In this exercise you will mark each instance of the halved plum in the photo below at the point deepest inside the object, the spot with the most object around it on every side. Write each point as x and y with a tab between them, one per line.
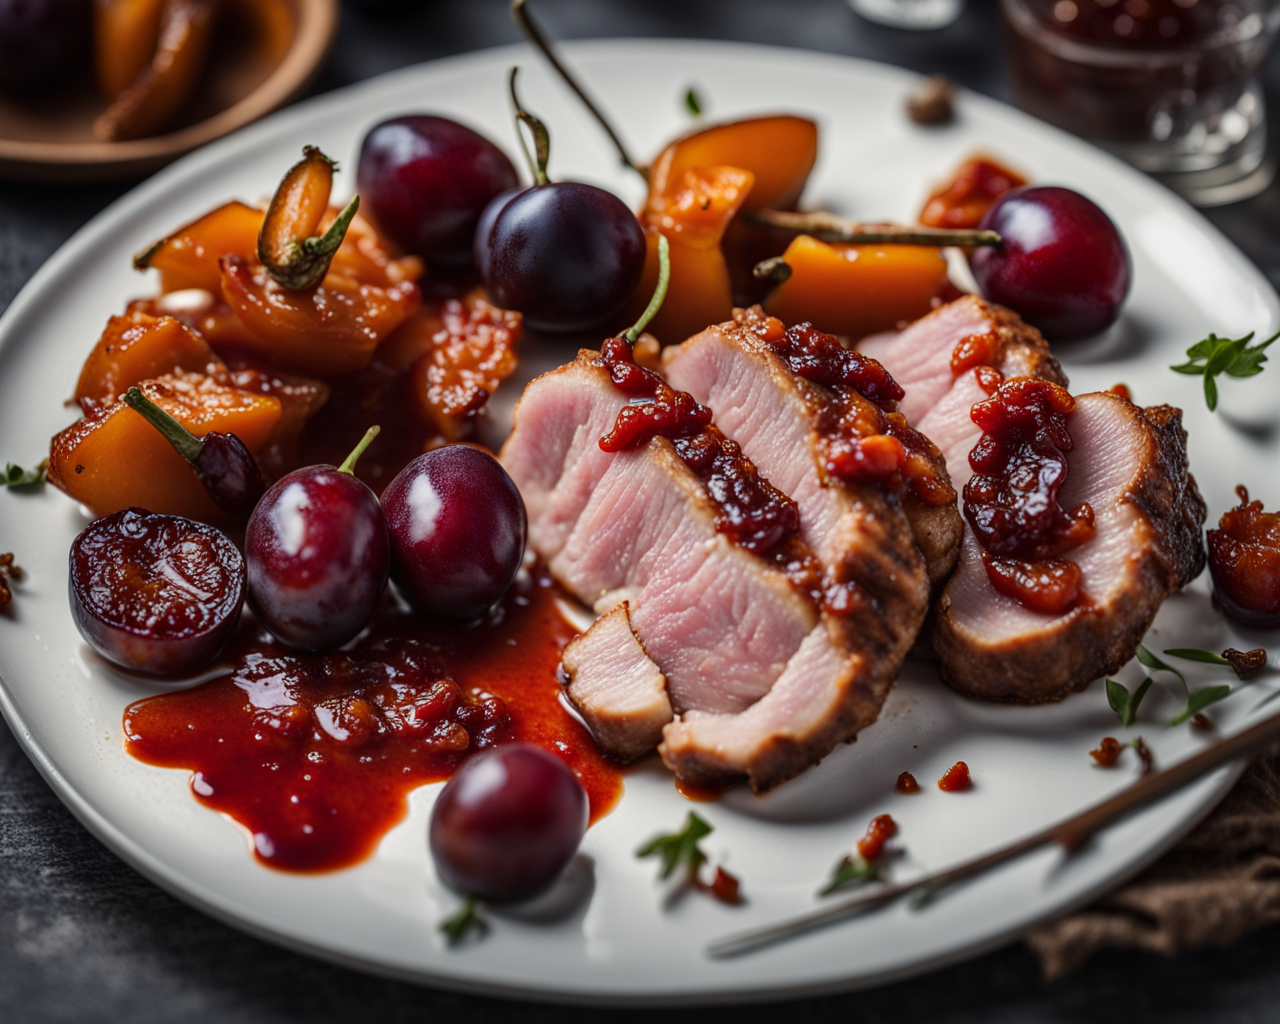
154	593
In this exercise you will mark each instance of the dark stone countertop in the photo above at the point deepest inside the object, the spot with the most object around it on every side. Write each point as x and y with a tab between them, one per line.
84	938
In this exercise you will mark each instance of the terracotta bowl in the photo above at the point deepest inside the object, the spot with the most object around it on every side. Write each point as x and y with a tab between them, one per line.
251	72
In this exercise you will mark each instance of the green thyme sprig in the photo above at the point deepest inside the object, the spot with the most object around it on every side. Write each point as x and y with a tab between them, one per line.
1214	356
17	476
457	926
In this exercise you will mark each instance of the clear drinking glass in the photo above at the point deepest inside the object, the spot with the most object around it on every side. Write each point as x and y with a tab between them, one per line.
1168	85
916	14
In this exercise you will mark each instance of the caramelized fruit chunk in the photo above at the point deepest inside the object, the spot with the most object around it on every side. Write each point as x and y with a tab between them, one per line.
189	257
137	347
221	461
155	593
856	290
778	152
693	217
327	332
163	88
125	33
1244	561
117	460
470	350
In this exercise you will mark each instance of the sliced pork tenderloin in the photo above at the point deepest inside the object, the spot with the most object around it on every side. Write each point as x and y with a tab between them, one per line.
859	530
780	419
928	356
720	622
1130	465
769	660
616	686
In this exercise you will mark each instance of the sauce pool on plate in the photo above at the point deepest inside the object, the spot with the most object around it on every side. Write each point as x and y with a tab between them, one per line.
315	755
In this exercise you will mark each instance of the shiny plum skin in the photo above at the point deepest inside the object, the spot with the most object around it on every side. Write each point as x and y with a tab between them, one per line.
457	526
128	604
42	42
1062	265
318	557
480	248
423	182
565	254
508	823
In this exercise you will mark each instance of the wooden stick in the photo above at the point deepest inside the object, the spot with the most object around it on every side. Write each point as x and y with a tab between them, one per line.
831	228
1071	833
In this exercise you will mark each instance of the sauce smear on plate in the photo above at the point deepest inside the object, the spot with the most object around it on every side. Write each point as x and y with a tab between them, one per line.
315	755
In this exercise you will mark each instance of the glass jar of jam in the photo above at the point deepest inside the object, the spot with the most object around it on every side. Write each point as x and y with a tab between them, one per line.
1168	85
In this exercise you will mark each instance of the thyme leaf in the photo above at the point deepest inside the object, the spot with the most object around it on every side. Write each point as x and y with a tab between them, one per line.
853	870
16	476
679	848
1213	356
465	920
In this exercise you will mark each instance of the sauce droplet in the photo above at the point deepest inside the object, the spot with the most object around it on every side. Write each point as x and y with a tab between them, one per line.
956	779
907	783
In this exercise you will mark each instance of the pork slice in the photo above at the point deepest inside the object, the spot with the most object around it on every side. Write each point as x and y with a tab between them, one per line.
836	683
719	621
1130	465
919	356
616	686
777	417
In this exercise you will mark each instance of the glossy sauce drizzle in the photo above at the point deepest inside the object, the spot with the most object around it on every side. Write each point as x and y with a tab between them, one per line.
315	755
749	510
1011	502
862	433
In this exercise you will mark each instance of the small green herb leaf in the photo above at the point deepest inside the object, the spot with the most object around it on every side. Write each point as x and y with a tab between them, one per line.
1124	703
1198	701
1148	659
693	102
1213	356
1195	654
679	847
851	871
16	476
465	920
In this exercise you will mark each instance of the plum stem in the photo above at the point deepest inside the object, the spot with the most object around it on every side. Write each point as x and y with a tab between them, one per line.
349	463
773	272
541	137
184	442
659	293
830	228
536	36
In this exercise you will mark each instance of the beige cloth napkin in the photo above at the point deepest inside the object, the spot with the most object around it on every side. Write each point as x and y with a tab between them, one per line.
1220	882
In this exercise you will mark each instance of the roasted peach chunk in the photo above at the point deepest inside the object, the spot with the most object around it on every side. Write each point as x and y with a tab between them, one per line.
138	347
856	290
117	460
326	332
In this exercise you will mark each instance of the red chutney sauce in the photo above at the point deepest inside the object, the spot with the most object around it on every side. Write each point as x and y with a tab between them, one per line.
1011	502
963	201
880	831
749	509
315	755
956	779
1244	561
863	434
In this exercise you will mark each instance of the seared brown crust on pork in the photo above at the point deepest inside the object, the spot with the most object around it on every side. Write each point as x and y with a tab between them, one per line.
1023	351
1159	513
837	683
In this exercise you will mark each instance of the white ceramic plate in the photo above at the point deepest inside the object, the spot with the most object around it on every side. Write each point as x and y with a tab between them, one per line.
627	943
